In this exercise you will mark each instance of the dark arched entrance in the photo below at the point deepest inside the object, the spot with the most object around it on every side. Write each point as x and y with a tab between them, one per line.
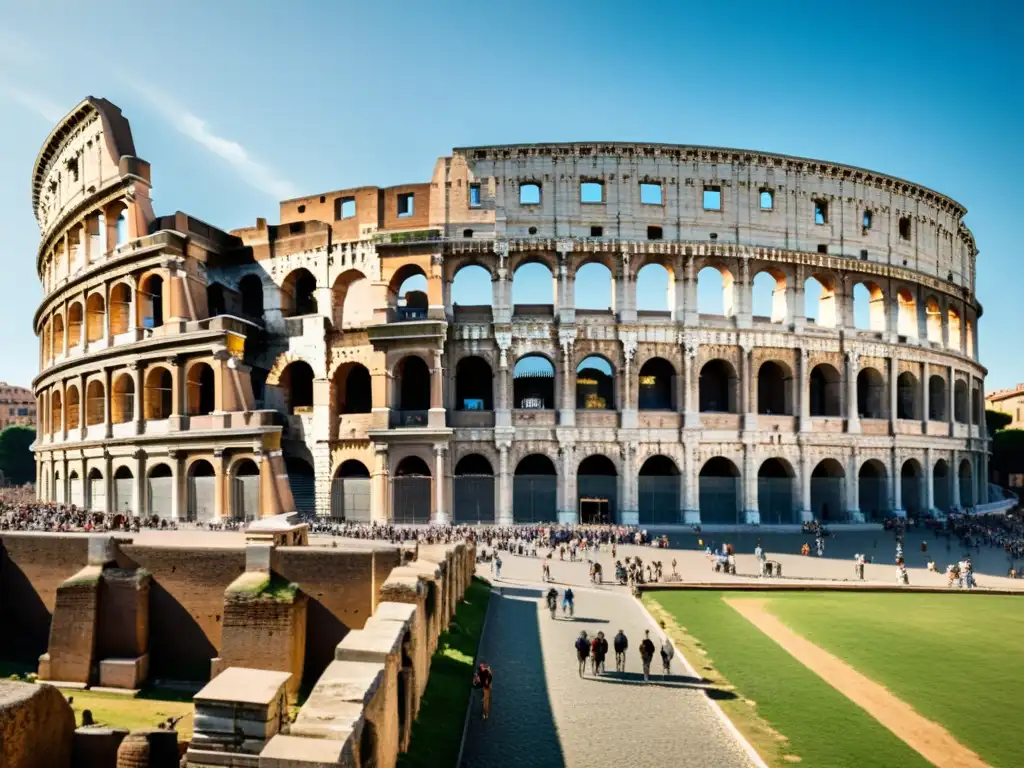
245	490
350	492
413	392
473	490
872	490
535	490
718	387
828	492
719	492
597	491
202	492
774	390
940	485
473	385
656	386
966	478
826	395
910	487
412	489
775	497
658	492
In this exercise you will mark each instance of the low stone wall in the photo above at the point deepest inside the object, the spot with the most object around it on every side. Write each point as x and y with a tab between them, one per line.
36	726
817	586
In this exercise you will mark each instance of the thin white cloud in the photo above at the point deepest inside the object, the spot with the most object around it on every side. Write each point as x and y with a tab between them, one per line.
48	110
258	175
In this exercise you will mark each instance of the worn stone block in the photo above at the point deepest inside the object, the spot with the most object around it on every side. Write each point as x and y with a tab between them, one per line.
102	549
296	752
72	646
36	726
124	673
96	746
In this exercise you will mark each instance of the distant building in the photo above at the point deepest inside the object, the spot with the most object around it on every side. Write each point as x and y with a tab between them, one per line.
1010	402
17	406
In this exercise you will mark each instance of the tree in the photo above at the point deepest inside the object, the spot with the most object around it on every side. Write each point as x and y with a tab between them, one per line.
996	420
16	460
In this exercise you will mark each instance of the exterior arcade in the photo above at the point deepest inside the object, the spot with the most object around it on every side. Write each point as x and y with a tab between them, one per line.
331	363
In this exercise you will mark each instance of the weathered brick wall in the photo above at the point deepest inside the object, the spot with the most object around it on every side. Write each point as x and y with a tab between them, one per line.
32	566
383	563
186	605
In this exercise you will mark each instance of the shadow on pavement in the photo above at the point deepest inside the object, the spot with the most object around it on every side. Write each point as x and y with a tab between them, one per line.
660	681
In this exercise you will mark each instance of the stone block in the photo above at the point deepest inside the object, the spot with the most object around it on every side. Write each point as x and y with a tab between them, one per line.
239	711
102	550
72	645
375	642
123	619
259	556
296	752
36	726
124	673
203	758
149	749
95	746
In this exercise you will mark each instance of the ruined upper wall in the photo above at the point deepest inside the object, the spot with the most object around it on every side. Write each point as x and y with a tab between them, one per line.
910	225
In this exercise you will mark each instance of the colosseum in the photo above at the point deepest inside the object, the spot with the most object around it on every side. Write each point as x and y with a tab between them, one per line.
422	352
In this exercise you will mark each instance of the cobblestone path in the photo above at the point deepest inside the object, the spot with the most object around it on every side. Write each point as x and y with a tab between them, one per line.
544	714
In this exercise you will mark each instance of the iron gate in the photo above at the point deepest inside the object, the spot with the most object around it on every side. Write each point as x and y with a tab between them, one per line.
76	492
775	501
473	499
658	499
350	499
411	495
719	500
535	498
828	499
245	496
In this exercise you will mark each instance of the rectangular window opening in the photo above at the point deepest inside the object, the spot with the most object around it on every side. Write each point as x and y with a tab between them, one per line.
866	221
597	231
405	203
650	194
822	248
302	209
344	208
767	200
474	195
820	212
864	254
904	228
654	233
529	194
712	198
591	192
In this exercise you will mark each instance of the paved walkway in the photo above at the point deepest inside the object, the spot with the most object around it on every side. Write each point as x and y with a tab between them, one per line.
544	714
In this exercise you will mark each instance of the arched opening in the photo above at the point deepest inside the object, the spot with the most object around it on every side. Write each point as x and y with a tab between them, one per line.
58	335
598	487
122	406
74	414
411	491
936	398
716	292
160	491
719	490
216	303
907	405
473	490
655	289
151	302
350	492
407	294
77	490
595	384
474	385
245	490
910	487
775	497
826	391
535	490
97	491
768	297
120	309
533	383
95	310
953	324
75	320
940	486
533	288
471	288
56	413
593	289
774	389
933	319
413	385
656	386
352	297
966	479
718	384
200	390
159	394
977	406
95	403
58	489
124	492
302	481
870	394
202	492
353	390
906	320
298	294
297	384
828	492
868	307
960	401
658	492
969	326
820	301
251	288
872	490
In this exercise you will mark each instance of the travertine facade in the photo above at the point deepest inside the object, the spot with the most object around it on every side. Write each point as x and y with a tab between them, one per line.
331	345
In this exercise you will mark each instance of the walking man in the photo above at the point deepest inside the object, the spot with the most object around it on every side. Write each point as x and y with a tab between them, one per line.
582	652
621	644
646	654
484	680
667	652
497	567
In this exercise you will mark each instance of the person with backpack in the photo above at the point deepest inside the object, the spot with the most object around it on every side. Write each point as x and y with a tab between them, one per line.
621	644
484	680
582	651
646	654
568	601
602	652
595	655
667	652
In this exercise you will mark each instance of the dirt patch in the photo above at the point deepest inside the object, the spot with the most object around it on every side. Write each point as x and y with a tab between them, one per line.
930	739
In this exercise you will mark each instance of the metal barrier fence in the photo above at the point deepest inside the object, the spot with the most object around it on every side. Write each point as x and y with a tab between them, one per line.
350	499
720	501
535	498
411	495
776	501
658	498
828	499
473	499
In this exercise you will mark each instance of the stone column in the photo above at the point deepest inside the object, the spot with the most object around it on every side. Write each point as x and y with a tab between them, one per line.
629	514
502	408
894	375
440	513
852	416
177	420
379	487
106	313
64	336
139	483
806	511
500	288
220	487
628	409
748	379
892	317
503	511
83	406
178	509
568	513
950	410
895	486
137	400
108	426
690	483
742	299
108	481
83	329
691	414
436	415
853	488
751	511
954	474
567	414
925	404
799	303
805	391
929	481
691	314
566	309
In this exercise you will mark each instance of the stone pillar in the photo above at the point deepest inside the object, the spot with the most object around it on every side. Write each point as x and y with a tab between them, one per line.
628	408
177	420
137	399
64	336
379	488
139	484
751	511
503	514
951	389
690	314
806	511
83	329
894	375
742	299
178	509
853	488
566	309
691	414
108	481
436	415
929	481
568	512
220	509
108	426
892	317
925	404
852	417
83	406
748	380
895	486
954	474
691	484
567	414
502	406
440	513
799	303
805	391
629	514
106	313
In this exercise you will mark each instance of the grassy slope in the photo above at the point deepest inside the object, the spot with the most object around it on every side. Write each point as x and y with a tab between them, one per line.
821	726
437	732
955	658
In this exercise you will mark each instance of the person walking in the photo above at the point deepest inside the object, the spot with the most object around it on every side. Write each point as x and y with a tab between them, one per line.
568	601
621	643
582	651
497	567
646	654
485	681
667	652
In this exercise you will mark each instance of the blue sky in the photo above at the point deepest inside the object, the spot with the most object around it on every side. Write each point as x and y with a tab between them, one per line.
238	104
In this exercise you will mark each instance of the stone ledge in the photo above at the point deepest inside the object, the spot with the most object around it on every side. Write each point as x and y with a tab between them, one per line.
296	752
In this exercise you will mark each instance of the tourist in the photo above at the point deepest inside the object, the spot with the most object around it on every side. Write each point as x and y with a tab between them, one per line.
667	652
497	567
805	550
646	654
858	565
552	598
759	557
582	652
595	654
485	681
568	599
621	643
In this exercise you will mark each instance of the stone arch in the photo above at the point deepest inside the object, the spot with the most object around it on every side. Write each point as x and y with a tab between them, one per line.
200	389
656	385
719	492
285	359
56	411
122	400
535	490
941	486
718	387
121	301
906	318
933	319
411	488
868	306
352	300
960	407
594	286
711	277
597	484
76	317
965	476
954	329
658	491
73	397
244	474
776	492
159	393
768	295
911	478
471	285
820	299
655	278
58	335
826	391
828	491
873	490
908	404
202	490
530	273
474	384
533	382
407	293
95	403
412	385
123	489
298	293
937	398
595	383
351	492
775	393
296	383
251	289
95	490
150	304
871	393
353	389
473	490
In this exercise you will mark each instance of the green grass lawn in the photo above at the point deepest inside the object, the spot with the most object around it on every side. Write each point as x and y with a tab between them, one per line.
437	732
783	708
956	659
